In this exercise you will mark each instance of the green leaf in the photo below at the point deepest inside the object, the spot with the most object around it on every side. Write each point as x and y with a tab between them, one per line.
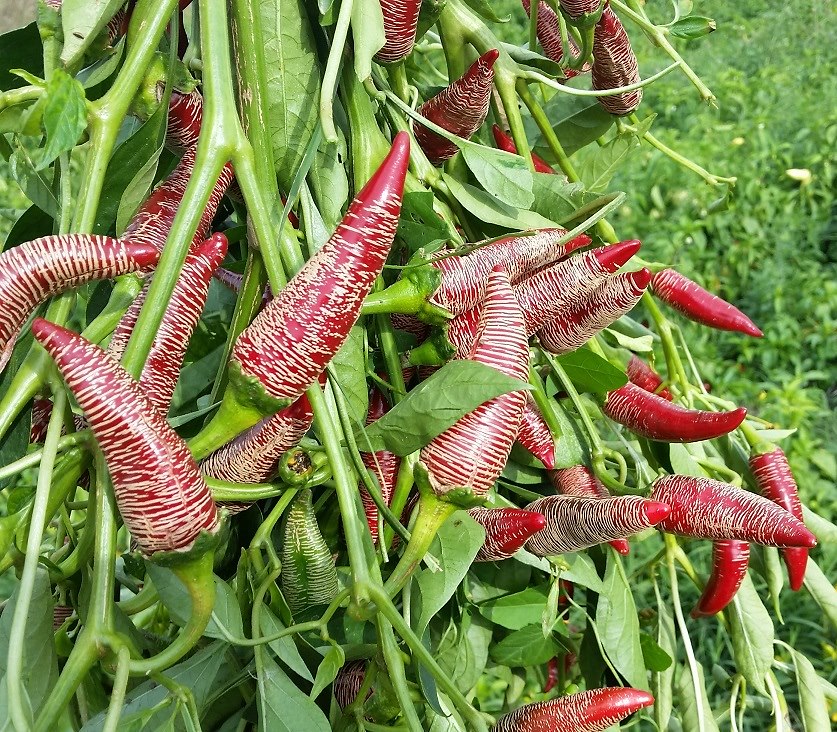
418	225
812	702
694	26
64	118
590	372
327	671
36	185
293	77
104	67
32	224
349	367
688	703
654	657
821	590
367	33
284	648
20	49
556	198
283	707
662	681
503	175
570	447
774	576
328	180
82	21
484	9
465	660
577	121
525	647
642	344
13	444
823	529
137	191
582	572
618	624
602	163
683	463
751	632
435	404
517	610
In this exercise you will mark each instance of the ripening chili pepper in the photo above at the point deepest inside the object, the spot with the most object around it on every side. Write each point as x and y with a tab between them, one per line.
460	108
729	565
580	481
505	142
578	523
400	24
586	711
184	120
164	502
506	530
708	509
614	298
775	481
347	683
549	35
551	675
41	412
579	10
38	269
697	304
641	374
309	576
535	435
651	416
615	64
60	613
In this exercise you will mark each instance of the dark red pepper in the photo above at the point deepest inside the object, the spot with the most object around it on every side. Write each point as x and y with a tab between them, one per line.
506	530
505	142
729	565
641	374
549	35
615	64
400	24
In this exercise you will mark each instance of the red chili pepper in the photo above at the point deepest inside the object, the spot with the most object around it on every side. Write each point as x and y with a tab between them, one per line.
551	675
651	416
574	523
708	509
292	340
566	590
610	301
505	142
470	454
615	64
729	565
776	482
579	481
38	269
641	374
577	9
506	530
586	711
164	502
60	613
697	304
549	35
460	108
535	435
400	24
184	120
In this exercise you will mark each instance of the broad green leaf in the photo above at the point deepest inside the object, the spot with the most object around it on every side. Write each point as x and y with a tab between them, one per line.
683	462
517	610
524	57
329	182
367	33
577	121
327	670
525	647
450	721
418	225
688	703
695	26
822	590
590	372
293	77
662	682
64	118
812	701
82	21
284	648
36	185
104	67
13	444
602	163
20	49
556	198
751	632
349	368
434	405
503	175
283	707
485	9
195	377
136	192
465	660
823	529
32	224
616	618
570	447
582	572
654	657
774	576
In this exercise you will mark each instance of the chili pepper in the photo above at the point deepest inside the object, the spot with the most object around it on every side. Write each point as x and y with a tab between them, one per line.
549	35
566	590
383	464
614	64
470	454
697	304
412	325
163	500
641	374
535	435
729	565
506	530
60	613
38	269
400	24
586	711
460	108
578	523
775	481
651	416
580	481
184	120
41	412
551	675
348	681
576	10
610	301
708	509
309	576
505	142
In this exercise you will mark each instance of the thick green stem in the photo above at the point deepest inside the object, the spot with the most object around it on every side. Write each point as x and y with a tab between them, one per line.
117	694
395	666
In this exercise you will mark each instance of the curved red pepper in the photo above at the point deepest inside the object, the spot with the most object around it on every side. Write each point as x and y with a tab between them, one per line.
551	675
708	509
505	142
535	435
400	24
651	416
506	530
729	565
697	304
549	35
184	121
615	64
776	482
641	374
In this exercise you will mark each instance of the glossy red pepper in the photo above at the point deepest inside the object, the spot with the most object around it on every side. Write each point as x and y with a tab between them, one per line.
775	481
505	142
697	304
400	24
460	108
551	675
708	509
729	565
549	35
184	120
615	64
535	435
641	374
651	416
506	530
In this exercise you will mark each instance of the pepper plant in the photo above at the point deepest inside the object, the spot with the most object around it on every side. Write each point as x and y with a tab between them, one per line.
401	469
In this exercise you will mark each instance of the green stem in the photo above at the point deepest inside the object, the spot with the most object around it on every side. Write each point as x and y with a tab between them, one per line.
124	293
120	685
20	96
673	362
573	91
33	458
533	25
395	666
231	419
401	492
329	84
223	490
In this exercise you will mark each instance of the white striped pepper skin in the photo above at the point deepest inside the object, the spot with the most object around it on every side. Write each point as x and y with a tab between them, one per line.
348	681
506	530
615	65
549	35
708	509
383	464
38	269
575	523
471	454
184	121
535	435
164	502
293	339
587	711
400	24
460	108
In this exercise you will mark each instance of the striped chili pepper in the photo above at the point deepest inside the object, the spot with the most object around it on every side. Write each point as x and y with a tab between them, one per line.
708	509
184	120
506	530
697	304
535	434
729	565
579	10
549	35
347	683
164	502
38	269
400	24
575	523
651	416
615	64
309	576
641	374
775	481
580	481
460	108
586	711
505	142
41	412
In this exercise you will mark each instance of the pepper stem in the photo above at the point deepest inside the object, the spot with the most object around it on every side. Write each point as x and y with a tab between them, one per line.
409	295
231	419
